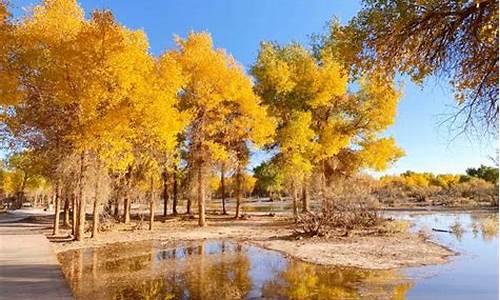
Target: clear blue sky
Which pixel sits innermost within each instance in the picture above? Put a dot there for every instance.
(240, 25)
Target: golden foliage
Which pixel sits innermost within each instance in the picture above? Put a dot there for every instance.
(219, 98)
(77, 86)
(319, 119)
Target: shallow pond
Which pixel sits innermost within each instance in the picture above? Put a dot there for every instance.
(229, 270)
(473, 274)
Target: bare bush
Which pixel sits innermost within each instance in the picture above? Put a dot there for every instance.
(478, 190)
(345, 207)
(107, 221)
(397, 226)
(487, 226)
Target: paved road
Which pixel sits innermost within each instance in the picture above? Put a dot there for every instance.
(28, 266)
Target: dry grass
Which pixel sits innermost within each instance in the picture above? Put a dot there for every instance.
(457, 229)
(396, 226)
(346, 209)
(473, 193)
(424, 233)
(489, 227)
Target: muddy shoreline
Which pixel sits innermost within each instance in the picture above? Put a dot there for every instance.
(386, 251)
(440, 209)
(365, 252)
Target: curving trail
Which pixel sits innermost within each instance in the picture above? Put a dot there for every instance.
(28, 266)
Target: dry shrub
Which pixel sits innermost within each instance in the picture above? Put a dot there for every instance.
(347, 205)
(396, 226)
(489, 227)
(392, 194)
(424, 233)
(141, 224)
(449, 200)
(397, 193)
(475, 192)
(423, 193)
(478, 190)
(107, 221)
(457, 229)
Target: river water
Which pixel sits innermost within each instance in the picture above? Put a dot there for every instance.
(223, 269)
(473, 274)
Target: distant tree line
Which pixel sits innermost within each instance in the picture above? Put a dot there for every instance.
(479, 186)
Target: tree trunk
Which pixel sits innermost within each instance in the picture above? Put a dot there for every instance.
(164, 176)
(323, 180)
(57, 208)
(126, 208)
(201, 196)
(95, 218)
(223, 190)
(19, 200)
(80, 232)
(20, 193)
(188, 206)
(305, 197)
(238, 191)
(109, 206)
(116, 212)
(66, 211)
(95, 212)
(152, 205)
(126, 200)
(74, 211)
(175, 192)
(294, 201)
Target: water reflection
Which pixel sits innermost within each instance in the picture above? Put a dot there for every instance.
(471, 275)
(303, 281)
(229, 270)
(487, 226)
(216, 270)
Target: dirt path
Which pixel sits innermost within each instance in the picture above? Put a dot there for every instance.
(28, 266)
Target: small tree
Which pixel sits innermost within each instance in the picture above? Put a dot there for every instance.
(269, 178)
(489, 174)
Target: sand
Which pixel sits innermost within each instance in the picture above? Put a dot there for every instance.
(276, 233)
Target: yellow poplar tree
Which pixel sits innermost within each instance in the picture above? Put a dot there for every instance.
(224, 111)
(8, 76)
(96, 90)
(371, 110)
(158, 123)
(137, 120)
(320, 120)
(45, 62)
(303, 95)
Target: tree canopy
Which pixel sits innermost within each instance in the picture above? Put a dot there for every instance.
(455, 40)
(489, 174)
(87, 108)
(321, 123)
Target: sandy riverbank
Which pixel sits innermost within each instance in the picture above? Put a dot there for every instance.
(276, 233)
(368, 252)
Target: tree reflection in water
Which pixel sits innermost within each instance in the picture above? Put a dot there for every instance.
(216, 270)
(305, 281)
